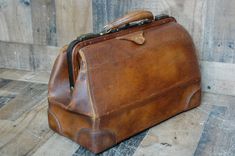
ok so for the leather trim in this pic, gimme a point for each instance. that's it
(56, 121)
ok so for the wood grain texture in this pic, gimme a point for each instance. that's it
(24, 135)
(15, 55)
(4, 82)
(218, 137)
(219, 32)
(23, 117)
(15, 21)
(25, 94)
(27, 56)
(5, 99)
(22, 75)
(105, 11)
(44, 22)
(218, 78)
(73, 18)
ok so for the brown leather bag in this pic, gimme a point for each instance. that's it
(109, 86)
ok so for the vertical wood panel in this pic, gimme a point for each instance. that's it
(218, 78)
(15, 21)
(73, 18)
(219, 31)
(16, 56)
(105, 11)
(44, 22)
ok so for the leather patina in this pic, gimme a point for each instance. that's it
(125, 81)
(136, 37)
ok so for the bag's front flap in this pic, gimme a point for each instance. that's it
(121, 72)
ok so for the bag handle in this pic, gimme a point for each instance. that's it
(130, 17)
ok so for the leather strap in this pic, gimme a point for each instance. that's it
(130, 17)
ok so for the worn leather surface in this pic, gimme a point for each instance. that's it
(131, 17)
(123, 87)
(136, 37)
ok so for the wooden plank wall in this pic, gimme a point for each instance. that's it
(31, 31)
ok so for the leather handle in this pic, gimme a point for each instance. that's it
(130, 17)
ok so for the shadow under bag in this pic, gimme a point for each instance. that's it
(106, 87)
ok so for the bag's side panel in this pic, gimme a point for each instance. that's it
(70, 113)
(59, 92)
(58, 86)
(81, 101)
